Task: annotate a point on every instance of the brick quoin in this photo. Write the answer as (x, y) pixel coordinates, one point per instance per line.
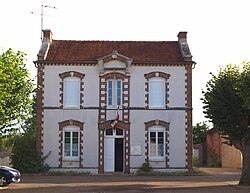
(39, 109)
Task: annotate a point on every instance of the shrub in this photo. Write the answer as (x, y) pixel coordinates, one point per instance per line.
(145, 168)
(24, 156)
(196, 161)
(214, 162)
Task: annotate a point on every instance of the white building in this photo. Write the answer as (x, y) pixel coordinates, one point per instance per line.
(85, 85)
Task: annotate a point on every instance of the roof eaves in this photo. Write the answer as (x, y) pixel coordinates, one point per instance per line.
(175, 63)
(64, 62)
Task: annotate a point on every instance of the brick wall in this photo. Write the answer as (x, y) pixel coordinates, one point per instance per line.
(214, 145)
(230, 157)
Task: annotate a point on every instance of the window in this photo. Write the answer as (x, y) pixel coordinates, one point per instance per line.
(157, 144)
(71, 143)
(157, 93)
(109, 131)
(114, 93)
(71, 94)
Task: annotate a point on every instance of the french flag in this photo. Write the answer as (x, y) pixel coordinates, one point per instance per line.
(115, 122)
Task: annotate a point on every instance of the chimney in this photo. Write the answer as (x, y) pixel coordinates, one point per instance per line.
(182, 35)
(47, 34)
(182, 39)
(47, 40)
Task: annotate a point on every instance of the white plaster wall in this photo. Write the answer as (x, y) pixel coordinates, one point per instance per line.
(90, 139)
(177, 151)
(177, 138)
(90, 134)
(176, 85)
(137, 131)
(137, 117)
(51, 138)
(52, 84)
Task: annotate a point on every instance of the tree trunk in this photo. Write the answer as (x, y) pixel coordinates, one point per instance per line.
(245, 175)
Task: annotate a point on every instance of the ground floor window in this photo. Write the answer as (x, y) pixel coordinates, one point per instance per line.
(157, 143)
(71, 142)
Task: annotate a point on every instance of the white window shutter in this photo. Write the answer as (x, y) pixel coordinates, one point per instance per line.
(157, 93)
(72, 93)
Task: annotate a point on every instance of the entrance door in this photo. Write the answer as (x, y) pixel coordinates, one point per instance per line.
(118, 154)
(109, 154)
(113, 150)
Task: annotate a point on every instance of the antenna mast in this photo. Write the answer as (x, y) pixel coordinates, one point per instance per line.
(42, 7)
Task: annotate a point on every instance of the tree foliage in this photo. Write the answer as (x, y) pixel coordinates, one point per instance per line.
(24, 155)
(225, 105)
(200, 133)
(16, 87)
(226, 102)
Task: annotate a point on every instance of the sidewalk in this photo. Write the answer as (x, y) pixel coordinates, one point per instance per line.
(220, 171)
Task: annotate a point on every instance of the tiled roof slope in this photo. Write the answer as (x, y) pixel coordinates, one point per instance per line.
(139, 51)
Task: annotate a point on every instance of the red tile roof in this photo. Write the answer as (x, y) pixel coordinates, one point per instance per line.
(139, 51)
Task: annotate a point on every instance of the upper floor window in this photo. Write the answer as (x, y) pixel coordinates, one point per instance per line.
(157, 143)
(114, 93)
(157, 90)
(71, 92)
(71, 142)
(157, 93)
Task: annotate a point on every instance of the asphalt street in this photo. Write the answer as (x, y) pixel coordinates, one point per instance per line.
(215, 180)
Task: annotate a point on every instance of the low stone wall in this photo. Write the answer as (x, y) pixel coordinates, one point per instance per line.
(231, 157)
(5, 158)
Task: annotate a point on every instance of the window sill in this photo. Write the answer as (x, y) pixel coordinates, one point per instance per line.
(71, 159)
(156, 160)
(157, 108)
(71, 108)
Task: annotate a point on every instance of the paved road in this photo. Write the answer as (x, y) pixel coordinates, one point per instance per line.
(217, 181)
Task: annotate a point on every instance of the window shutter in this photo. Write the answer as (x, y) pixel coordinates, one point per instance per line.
(157, 93)
(72, 92)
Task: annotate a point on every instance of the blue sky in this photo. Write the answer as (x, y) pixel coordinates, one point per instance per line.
(218, 31)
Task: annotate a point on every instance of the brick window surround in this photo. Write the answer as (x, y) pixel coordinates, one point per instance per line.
(125, 95)
(164, 125)
(150, 75)
(71, 74)
(61, 127)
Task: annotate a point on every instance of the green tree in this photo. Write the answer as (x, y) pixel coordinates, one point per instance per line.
(226, 104)
(24, 155)
(200, 133)
(16, 87)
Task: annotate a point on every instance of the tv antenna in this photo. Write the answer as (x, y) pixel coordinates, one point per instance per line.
(42, 14)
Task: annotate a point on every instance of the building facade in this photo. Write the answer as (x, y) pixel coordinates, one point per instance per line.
(110, 106)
